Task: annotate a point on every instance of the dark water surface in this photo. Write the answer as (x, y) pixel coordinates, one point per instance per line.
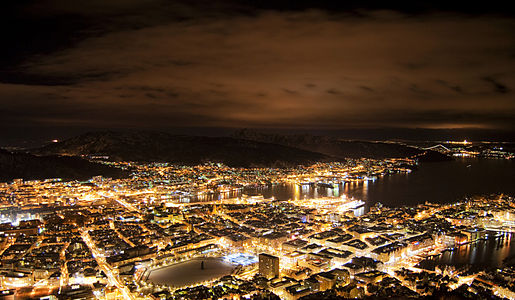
(437, 182)
(490, 253)
(442, 182)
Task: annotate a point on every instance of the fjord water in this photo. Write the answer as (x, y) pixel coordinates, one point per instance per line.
(496, 250)
(437, 182)
(440, 182)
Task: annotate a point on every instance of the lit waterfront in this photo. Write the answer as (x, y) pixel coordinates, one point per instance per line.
(497, 249)
(438, 182)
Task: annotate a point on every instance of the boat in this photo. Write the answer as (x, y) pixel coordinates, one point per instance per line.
(325, 185)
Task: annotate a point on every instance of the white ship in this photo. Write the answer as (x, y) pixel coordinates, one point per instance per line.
(354, 204)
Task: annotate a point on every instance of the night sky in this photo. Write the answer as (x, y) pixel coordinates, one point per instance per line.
(72, 66)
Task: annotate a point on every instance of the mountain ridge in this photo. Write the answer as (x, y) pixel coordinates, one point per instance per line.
(31, 167)
(333, 147)
(153, 146)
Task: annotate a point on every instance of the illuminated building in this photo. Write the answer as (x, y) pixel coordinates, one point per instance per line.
(268, 265)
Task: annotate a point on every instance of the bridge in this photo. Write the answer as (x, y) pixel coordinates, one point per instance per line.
(439, 148)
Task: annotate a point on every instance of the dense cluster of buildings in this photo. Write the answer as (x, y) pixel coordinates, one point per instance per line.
(104, 238)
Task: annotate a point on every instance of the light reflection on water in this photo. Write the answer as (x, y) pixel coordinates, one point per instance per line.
(489, 253)
(440, 182)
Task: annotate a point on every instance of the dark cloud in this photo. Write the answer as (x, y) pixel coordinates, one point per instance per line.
(366, 88)
(333, 91)
(291, 92)
(498, 86)
(453, 87)
(157, 64)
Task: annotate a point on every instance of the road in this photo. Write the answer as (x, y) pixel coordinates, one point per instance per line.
(104, 266)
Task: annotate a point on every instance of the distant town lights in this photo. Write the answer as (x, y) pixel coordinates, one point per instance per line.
(464, 142)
